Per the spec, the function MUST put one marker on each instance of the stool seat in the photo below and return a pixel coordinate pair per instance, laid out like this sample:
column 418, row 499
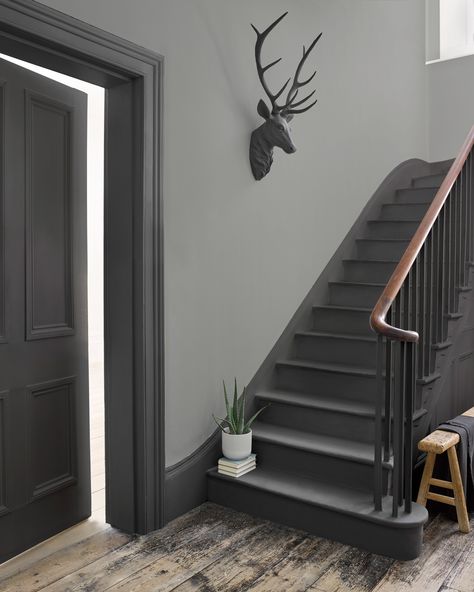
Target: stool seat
column 438, row 442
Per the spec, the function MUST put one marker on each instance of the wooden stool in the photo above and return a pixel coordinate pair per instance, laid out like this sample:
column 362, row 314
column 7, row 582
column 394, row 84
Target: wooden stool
column 439, row 442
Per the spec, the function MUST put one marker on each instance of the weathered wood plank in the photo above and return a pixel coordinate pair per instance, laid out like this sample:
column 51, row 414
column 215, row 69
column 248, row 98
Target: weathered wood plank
column 224, row 568
column 300, row 568
column 461, row 577
column 352, row 571
column 63, row 562
column 443, row 544
column 58, row 542
column 195, row 534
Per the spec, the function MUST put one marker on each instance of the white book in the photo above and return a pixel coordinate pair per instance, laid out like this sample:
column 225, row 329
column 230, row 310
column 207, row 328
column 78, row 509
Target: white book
column 237, row 471
column 236, row 475
column 237, row 464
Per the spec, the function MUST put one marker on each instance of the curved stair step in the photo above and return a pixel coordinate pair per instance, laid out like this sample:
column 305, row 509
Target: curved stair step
column 326, row 510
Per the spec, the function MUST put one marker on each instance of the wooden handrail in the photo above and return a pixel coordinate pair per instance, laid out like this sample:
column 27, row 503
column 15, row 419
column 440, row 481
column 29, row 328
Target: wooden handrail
column 391, row 290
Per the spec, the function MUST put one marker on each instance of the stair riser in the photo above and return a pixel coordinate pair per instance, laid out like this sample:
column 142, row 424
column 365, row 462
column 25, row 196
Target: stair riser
column 407, row 196
column 358, row 296
column 400, row 543
column 331, row 469
column 341, row 321
column 340, row 351
column 357, row 388
column 403, row 212
column 320, row 421
column 381, row 250
column 371, row 272
column 432, row 181
column 391, row 230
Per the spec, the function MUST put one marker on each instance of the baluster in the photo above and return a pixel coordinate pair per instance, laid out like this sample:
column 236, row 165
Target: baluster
column 409, row 400
column 471, row 208
column 388, row 393
column 437, row 262
column 449, row 255
column 465, row 223
column 459, row 234
column 379, row 403
column 427, row 328
column 469, row 214
column 456, row 196
column 444, row 273
column 421, row 309
column 398, row 425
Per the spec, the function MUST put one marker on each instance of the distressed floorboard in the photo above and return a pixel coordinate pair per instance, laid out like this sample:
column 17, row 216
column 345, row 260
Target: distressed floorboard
column 461, row 577
column 213, row 549
column 352, row 571
column 194, row 534
column 443, row 545
column 300, row 568
column 54, row 567
column 228, row 564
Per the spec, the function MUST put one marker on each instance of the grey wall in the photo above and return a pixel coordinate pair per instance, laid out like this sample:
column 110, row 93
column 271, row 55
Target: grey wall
column 450, row 105
column 241, row 255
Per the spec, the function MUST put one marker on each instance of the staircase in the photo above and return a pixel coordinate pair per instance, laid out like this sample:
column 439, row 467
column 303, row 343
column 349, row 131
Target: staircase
column 315, row 442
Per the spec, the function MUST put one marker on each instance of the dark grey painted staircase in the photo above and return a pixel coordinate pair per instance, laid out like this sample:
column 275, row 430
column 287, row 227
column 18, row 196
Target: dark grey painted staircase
column 314, row 444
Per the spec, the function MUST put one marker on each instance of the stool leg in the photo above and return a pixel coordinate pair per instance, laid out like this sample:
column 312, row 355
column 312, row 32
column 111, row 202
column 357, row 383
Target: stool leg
column 425, row 480
column 459, row 498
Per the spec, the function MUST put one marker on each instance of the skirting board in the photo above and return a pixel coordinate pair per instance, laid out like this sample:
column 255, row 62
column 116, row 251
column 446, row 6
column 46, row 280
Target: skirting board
column 186, row 481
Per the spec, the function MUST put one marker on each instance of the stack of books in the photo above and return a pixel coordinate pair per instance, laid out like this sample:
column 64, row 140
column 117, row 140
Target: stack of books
column 236, row 468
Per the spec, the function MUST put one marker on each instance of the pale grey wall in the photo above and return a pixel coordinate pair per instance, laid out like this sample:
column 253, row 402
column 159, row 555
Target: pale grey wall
column 450, row 105
column 241, row 255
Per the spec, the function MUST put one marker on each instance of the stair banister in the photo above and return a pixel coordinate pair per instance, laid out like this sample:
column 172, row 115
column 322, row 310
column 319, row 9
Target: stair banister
column 412, row 315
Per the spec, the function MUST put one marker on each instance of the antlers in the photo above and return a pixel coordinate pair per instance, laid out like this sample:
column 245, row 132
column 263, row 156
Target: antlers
column 289, row 107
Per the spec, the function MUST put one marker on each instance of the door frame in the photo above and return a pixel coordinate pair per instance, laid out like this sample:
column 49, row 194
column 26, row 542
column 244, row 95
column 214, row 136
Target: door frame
column 133, row 243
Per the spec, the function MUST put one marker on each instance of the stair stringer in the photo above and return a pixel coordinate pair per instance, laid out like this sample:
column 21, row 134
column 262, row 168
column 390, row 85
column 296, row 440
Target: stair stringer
column 400, row 176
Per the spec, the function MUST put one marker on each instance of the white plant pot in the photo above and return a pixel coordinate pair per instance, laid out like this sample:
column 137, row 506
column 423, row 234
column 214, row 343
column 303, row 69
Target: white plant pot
column 236, row 446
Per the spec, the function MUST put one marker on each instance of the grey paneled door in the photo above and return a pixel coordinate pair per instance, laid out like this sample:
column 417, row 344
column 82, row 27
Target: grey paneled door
column 44, row 415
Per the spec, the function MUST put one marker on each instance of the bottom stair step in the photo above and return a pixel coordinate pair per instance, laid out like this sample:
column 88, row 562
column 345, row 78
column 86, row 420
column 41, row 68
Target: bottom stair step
column 333, row 512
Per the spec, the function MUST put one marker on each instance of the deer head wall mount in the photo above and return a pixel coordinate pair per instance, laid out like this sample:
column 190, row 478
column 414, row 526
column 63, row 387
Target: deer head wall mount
column 275, row 131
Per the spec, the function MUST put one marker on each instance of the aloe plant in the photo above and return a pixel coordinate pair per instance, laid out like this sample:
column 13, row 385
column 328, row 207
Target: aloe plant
column 235, row 419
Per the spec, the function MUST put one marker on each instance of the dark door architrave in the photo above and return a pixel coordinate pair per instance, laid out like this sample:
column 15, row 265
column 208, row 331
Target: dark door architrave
column 134, row 393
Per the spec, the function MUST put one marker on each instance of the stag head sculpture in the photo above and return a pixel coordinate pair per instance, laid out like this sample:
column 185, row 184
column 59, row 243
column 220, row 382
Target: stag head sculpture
column 275, row 131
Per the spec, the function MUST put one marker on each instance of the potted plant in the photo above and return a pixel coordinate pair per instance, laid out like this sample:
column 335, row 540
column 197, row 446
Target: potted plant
column 236, row 432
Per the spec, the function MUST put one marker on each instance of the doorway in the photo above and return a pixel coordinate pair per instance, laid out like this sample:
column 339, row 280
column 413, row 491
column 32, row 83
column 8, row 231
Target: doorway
column 133, row 289
column 95, row 274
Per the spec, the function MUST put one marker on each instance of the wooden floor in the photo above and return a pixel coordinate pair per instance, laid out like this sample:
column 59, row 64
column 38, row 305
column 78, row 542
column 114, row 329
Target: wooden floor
column 216, row 549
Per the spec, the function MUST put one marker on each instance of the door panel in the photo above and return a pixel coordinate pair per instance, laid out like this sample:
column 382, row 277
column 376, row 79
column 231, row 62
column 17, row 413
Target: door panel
column 44, row 399
column 48, row 222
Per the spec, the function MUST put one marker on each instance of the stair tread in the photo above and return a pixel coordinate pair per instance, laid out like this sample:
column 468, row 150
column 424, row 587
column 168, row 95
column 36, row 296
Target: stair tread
column 318, row 402
column 351, row 450
column 341, row 307
column 384, row 240
column 372, row 284
column 365, row 260
column 328, row 367
column 433, row 188
column 383, row 221
column 412, row 203
column 348, row 336
column 336, row 404
column 330, row 496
